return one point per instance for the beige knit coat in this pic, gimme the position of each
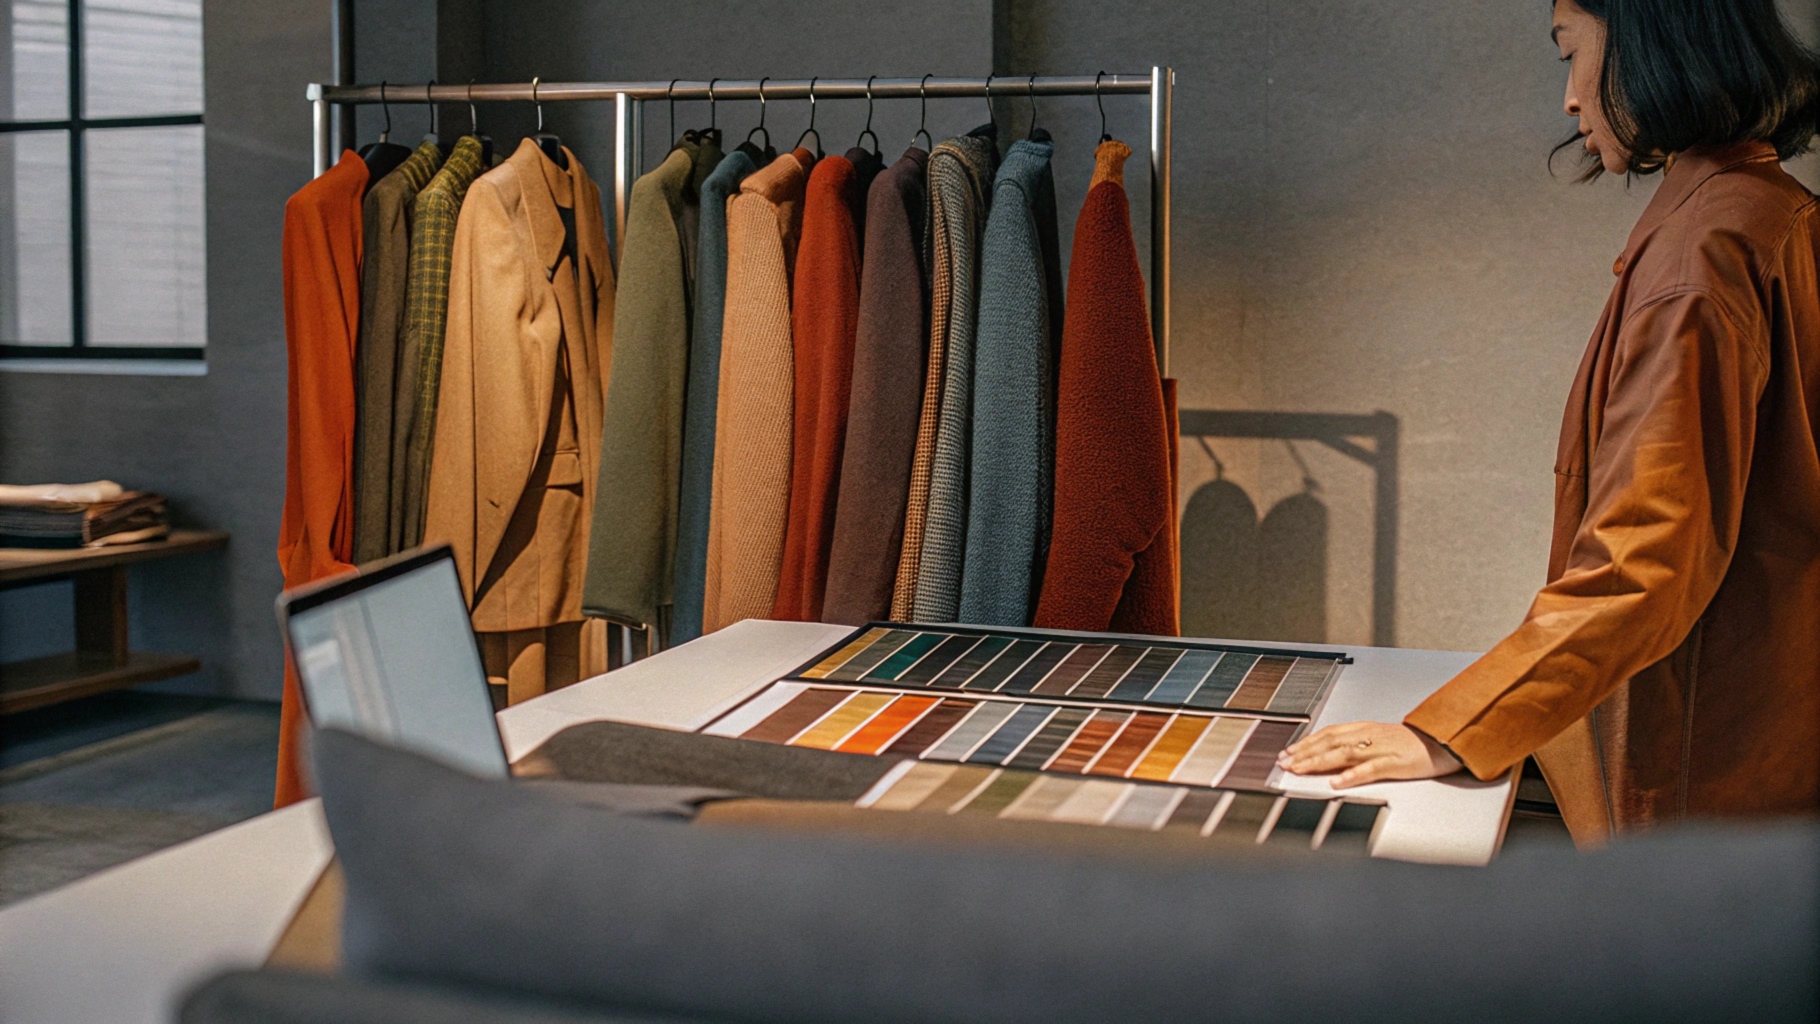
(752, 441)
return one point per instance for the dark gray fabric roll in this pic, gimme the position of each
(612, 752)
(284, 997)
(483, 883)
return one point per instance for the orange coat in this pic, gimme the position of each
(1671, 666)
(321, 320)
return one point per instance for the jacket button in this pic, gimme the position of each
(1617, 267)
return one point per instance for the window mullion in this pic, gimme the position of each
(78, 192)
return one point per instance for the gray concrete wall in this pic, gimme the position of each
(1364, 221)
(215, 443)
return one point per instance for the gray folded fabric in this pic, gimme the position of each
(612, 752)
(283, 997)
(489, 884)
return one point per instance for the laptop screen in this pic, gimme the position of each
(394, 659)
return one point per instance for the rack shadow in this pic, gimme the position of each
(1229, 555)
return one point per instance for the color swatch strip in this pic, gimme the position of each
(1207, 677)
(1186, 748)
(966, 789)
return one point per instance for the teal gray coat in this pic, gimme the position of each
(1013, 444)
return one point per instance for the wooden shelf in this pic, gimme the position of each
(59, 677)
(101, 660)
(20, 565)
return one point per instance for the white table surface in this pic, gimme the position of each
(125, 944)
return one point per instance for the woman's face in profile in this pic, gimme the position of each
(1581, 38)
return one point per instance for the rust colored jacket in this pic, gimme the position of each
(322, 248)
(1112, 554)
(824, 321)
(1671, 666)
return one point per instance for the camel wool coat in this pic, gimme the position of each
(518, 425)
(1670, 669)
(753, 429)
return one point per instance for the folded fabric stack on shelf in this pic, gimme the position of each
(87, 515)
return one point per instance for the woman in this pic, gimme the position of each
(1671, 666)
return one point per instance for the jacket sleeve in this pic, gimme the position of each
(1665, 488)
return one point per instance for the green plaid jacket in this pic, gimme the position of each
(426, 314)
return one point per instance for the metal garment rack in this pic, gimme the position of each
(629, 98)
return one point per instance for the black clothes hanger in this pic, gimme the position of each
(989, 130)
(811, 129)
(384, 156)
(1030, 91)
(711, 134)
(867, 130)
(922, 124)
(760, 157)
(546, 141)
(1100, 102)
(486, 141)
(432, 137)
(689, 134)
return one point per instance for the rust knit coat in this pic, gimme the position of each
(824, 316)
(1112, 557)
(322, 249)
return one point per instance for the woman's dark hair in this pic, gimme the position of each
(1680, 74)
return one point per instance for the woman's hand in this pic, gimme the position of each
(1368, 752)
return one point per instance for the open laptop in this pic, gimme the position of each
(389, 654)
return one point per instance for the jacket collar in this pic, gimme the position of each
(546, 186)
(1691, 170)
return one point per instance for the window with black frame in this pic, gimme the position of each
(101, 180)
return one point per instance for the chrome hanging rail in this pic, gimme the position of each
(628, 118)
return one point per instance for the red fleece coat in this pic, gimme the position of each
(825, 319)
(1112, 559)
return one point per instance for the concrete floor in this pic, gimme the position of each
(91, 784)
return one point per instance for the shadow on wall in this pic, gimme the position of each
(1251, 578)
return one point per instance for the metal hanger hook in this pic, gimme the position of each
(431, 104)
(1030, 90)
(535, 81)
(713, 106)
(1100, 101)
(867, 130)
(473, 115)
(670, 95)
(811, 129)
(991, 115)
(385, 133)
(922, 126)
(762, 107)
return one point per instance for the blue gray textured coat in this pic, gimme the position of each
(704, 392)
(1013, 442)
